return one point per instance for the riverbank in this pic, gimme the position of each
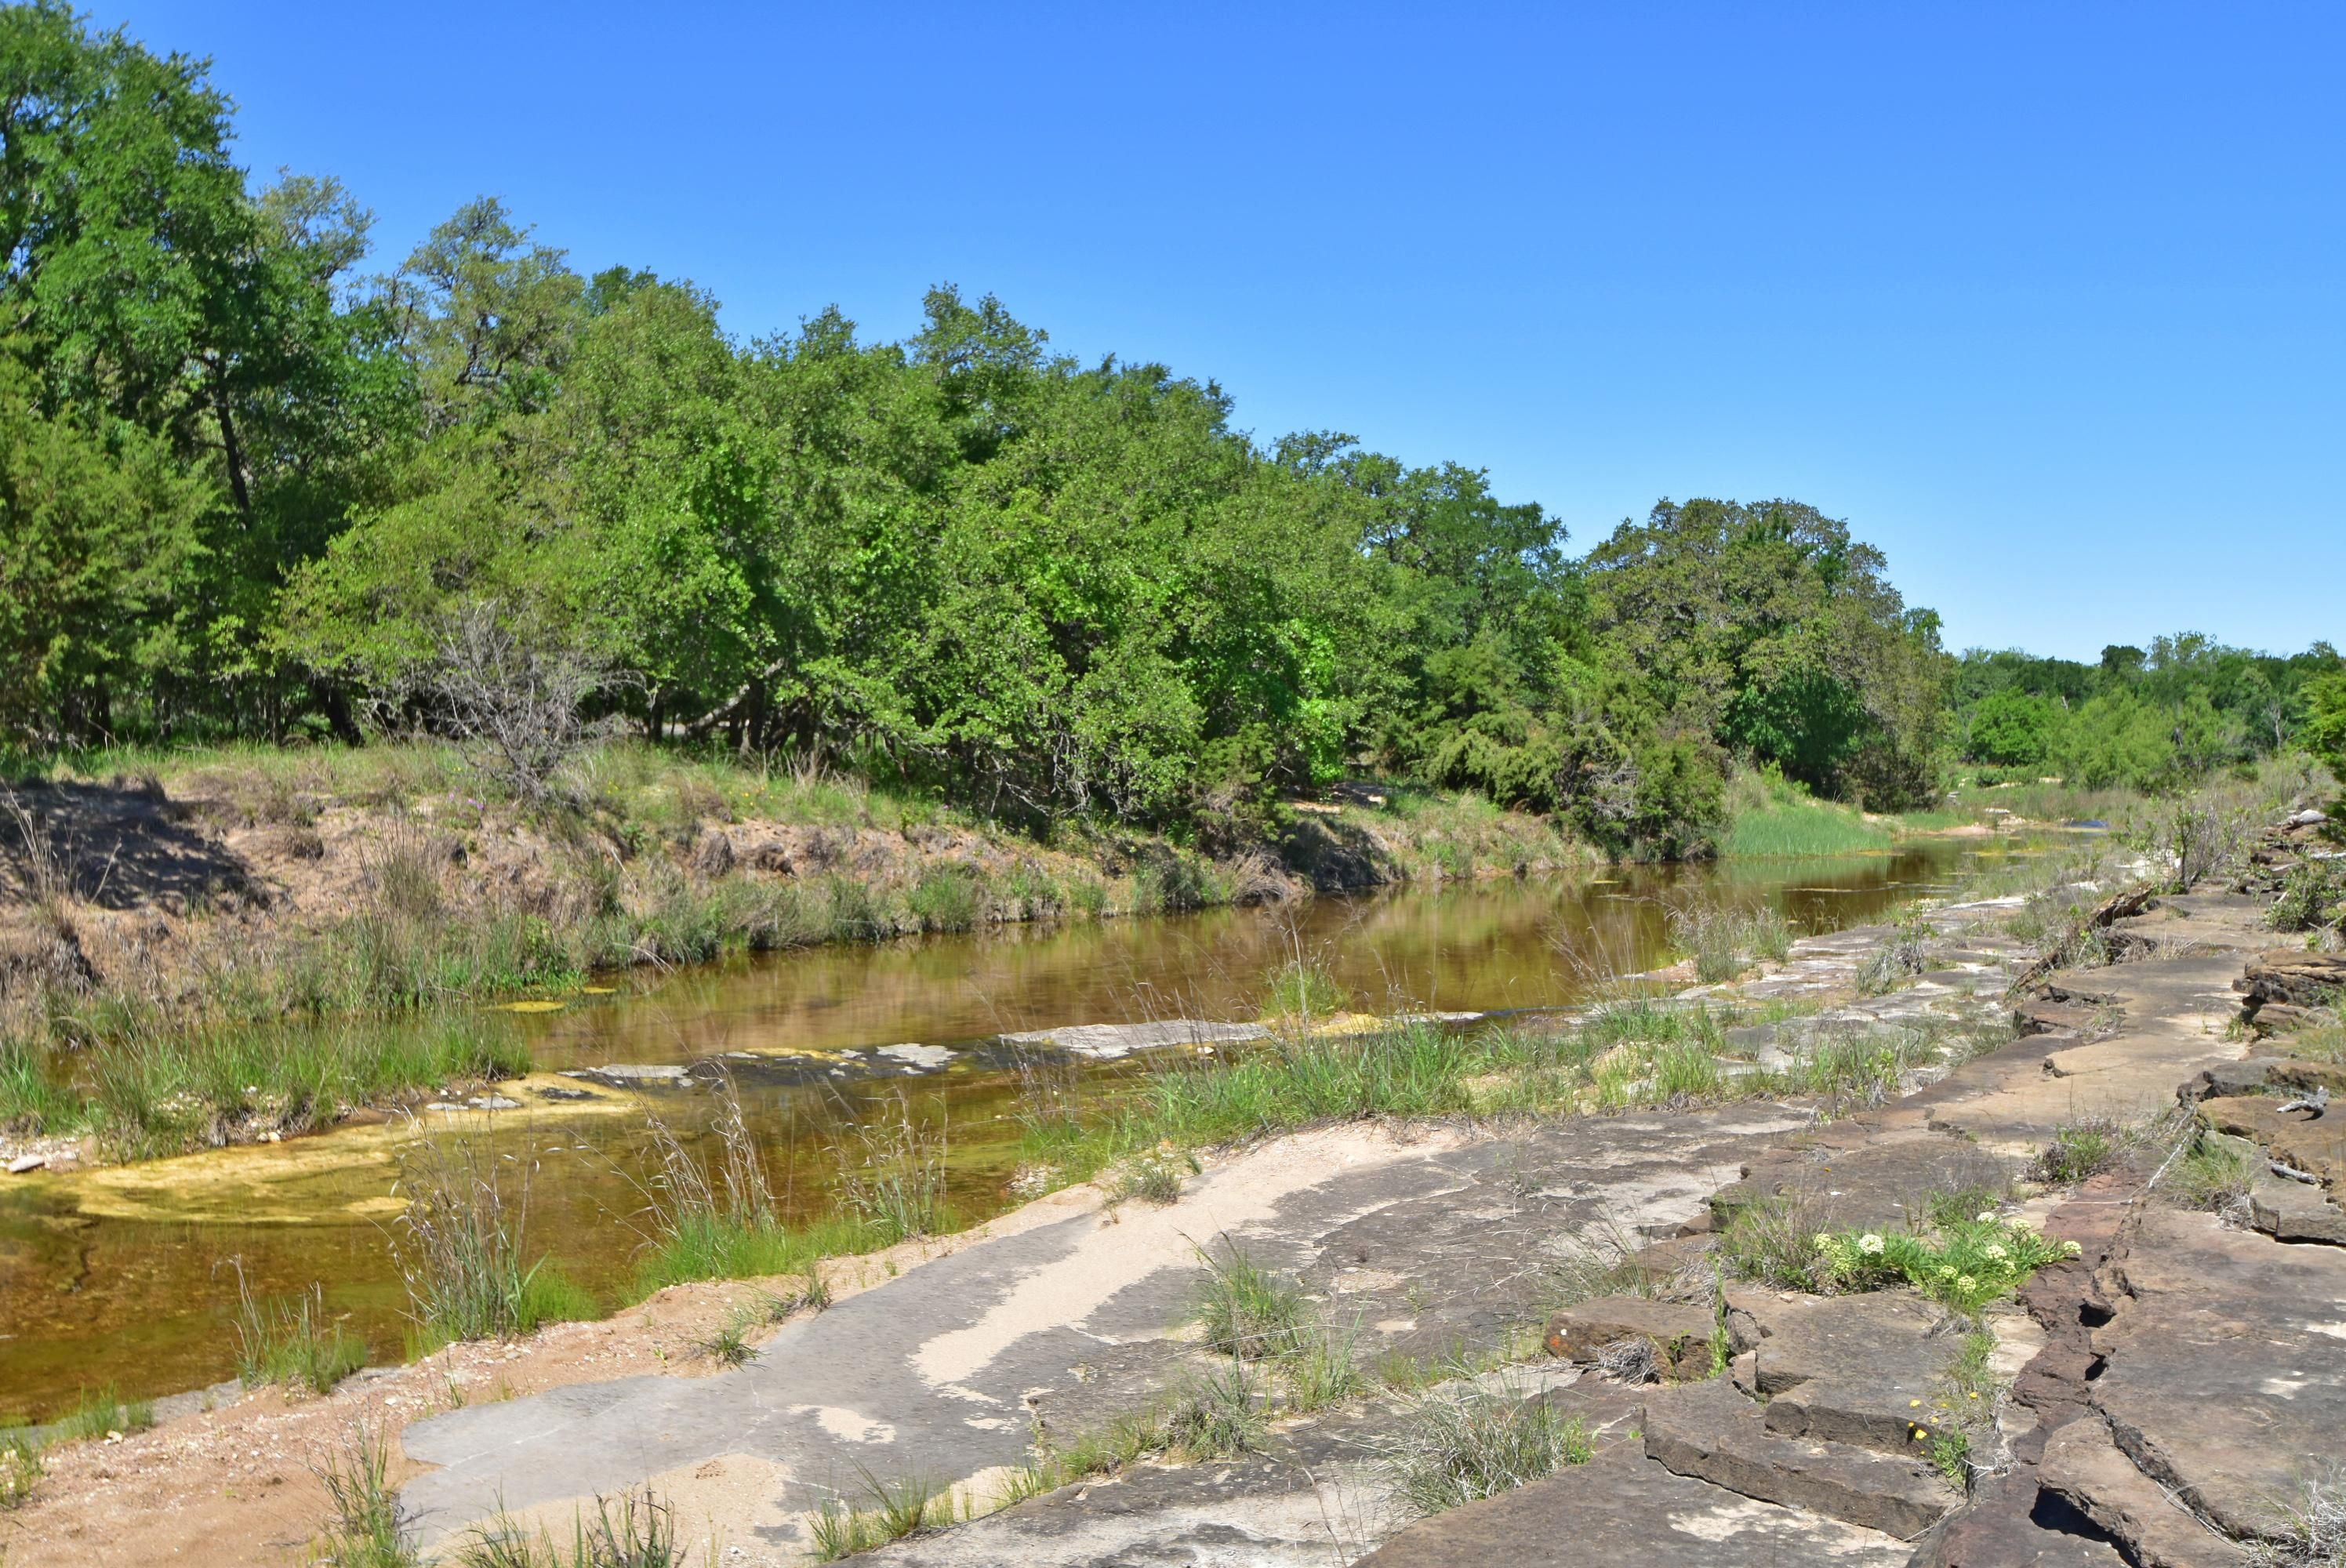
(188, 954)
(1958, 958)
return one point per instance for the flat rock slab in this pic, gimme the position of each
(1711, 1431)
(1857, 1369)
(2225, 1365)
(1872, 1186)
(2085, 1468)
(2315, 1144)
(1622, 1508)
(1107, 1041)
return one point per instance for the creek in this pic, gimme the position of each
(129, 1276)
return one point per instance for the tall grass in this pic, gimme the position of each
(368, 1527)
(462, 1245)
(893, 1176)
(1771, 817)
(156, 1089)
(1463, 1443)
(637, 1530)
(292, 1342)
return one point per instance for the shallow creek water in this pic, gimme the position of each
(129, 1276)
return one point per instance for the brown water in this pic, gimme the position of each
(125, 1277)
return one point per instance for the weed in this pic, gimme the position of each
(1217, 1415)
(2309, 1530)
(292, 1342)
(1772, 1240)
(1325, 1369)
(2312, 895)
(1300, 990)
(1476, 1440)
(1153, 1177)
(463, 1240)
(1901, 955)
(949, 898)
(728, 1344)
(892, 1177)
(1962, 1266)
(641, 1534)
(1247, 1311)
(368, 1529)
(1950, 1455)
(20, 1467)
(2079, 1149)
(897, 1508)
(105, 1413)
(2216, 1174)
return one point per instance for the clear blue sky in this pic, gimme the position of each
(2048, 300)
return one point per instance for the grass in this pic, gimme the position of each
(20, 1467)
(2308, 1530)
(640, 1533)
(895, 1508)
(367, 1527)
(1771, 817)
(892, 1177)
(2080, 1149)
(1724, 943)
(104, 1414)
(2216, 1173)
(1461, 1443)
(1217, 1414)
(146, 1088)
(1247, 1312)
(291, 1343)
(1300, 990)
(460, 1244)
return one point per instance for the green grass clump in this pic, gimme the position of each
(640, 1533)
(20, 1467)
(368, 1528)
(1217, 1415)
(460, 1248)
(2216, 1173)
(2079, 1149)
(1463, 1443)
(1302, 989)
(897, 1508)
(103, 1414)
(292, 1343)
(1247, 1311)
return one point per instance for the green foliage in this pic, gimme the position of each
(1963, 1265)
(103, 1414)
(292, 1342)
(20, 1467)
(1770, 816)
(1464, 1442)
(2079, 1150)
(1302, 989)
(2325, 721)
(1247, 1311)
(368, 1527)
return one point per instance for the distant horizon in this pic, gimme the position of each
(2044, 304)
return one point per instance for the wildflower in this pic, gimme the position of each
(1975, 1393)
(1946, 1271)
(1966, 1282)
(1824, 1241)
(1985, 1215)
(1870, 1244)
(1995, 1250)
(2070, 1249)
(1913, 1404)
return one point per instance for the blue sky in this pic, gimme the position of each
(2049, 301)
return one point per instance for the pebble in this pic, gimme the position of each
(23, 1163)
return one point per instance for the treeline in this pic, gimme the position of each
(254, 490)
(2143, 720)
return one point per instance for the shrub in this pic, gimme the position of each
(2079, 1150)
